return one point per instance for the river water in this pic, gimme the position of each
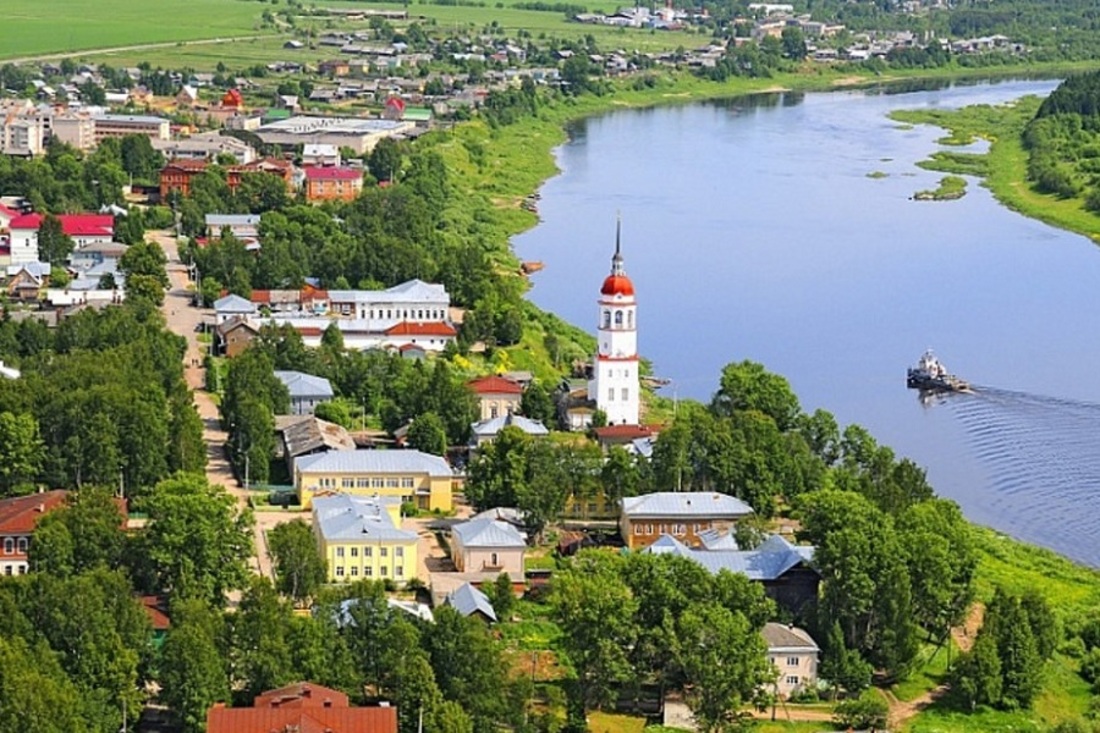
(752, 230)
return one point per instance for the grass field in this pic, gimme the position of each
(58, 26)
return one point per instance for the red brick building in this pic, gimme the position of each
(332, 183)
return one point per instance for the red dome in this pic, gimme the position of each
(617, 285)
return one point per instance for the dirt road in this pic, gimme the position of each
(137, 47)
(183, 319)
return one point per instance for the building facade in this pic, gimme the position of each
(496, 396)
(683, 515)
(360, 538)
(794, 654)
(615, 386)
(332, 183)
(155, 128)
(18, 518)
(488, 546)
(408, 475)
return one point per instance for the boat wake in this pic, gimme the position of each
(1043, 458)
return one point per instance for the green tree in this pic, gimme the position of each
(198, 541)
(193, 672)
(428, 434)
(299, 566)
(145, 259)
(595, 605)
(868, 711)
(942, 562)
(85, 534)
(21, 453)
(502, 596)
(841, 666)
(261, 657)
(384, 162)
(38, 696)
(747, 386)
(468, 666)
(54, 246)
(977, 677)
(724, 662)
(537, 404)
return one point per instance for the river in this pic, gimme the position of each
(752, 230)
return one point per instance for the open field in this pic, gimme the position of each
(59, 26)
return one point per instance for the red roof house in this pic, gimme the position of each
(303, 707)
(332, 183)
(494, 385)
(496, 396)
(431, 328)
(18, 518)
(78, 226)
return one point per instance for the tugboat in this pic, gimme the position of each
(930, 375)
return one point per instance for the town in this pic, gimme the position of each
(285, 447)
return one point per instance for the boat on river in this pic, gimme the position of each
(930, 375)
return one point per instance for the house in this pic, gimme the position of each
(27, 282)
(488, 545)
(332, 183)
(785, 570)
(409, 475)
(314, 154)
(306, 391)
(155, 128)
(18, 518)
(303, 707)
(623, 435)
(156, 610)
(188, 97)
(496, 396)
(468, 600)
(234, 335)
(83, 229)
(794, 655)
(304, 435)
(360, 537)
(241, 226)
(93, 255)
(486, 431)
(683, 515)
(230, 306)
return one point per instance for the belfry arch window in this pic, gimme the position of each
(618, 319)
(630, 319)
(607, 319)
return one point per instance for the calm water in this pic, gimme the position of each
(752, 231)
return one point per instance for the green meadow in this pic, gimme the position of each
(60, 26)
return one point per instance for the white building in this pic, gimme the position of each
(793, 654)
(615, 385)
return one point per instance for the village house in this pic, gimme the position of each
(468, 600)
(784, 569)
(320, 155)
(410, 475)
(360, 538)
(306, 391)
(304, 435)
(234, 335)
(18, 518)
(155, 128)
(231, 306)
(241, 226)
(83, 229)
(496, 396)
(332, 183)
(683, 515)
(794, 655)
(302, 706)
(488, 545)
(486, 431)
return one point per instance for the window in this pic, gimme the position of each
(354, 570)
(339, 552)
(399, 552)
(607, 319)
(368, 572)
(610, 394)
(7, 570)
(347, 483)
(9, 546)
(792, 680)
(362, 483)
(792, 661)
(385, 570)
(383, 551)
(407, 483)
(649, 529)
(637, 529)
(630, 319)
(492, 411)
(377, 483)
(355, 552)
(367, 551)
(23, 545)
(493, 561)
(339, 571)
(618, 319)
(399, 571)
(626, 394)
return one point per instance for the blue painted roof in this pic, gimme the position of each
(685, 504)
(774, 557)
(467, 600)
(357, 519)
(488, 533)
(375, 461)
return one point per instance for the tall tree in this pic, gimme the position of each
(193, 674)
(54, 246)
(299, 566)
(22, 453)
(748, 386)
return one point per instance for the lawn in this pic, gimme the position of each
(32, 28)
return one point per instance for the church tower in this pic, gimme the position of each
(614, 385)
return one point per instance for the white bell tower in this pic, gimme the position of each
(614, 385)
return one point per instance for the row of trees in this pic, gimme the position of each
(1063, 141)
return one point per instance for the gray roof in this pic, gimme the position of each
(488, 533)
(301, 385)
(782, 638)
(774, 557)
(714, 539)
(376, 461)
(685, 504)
(468, 600)
(305, 434)
(409, 291)
(138, 119)
(357, 518)
(233, 303)
(494, 425)
(232, 220)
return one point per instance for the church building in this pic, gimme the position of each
(614, 386)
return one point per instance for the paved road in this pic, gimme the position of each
(182, 319)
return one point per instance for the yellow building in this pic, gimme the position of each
(359, 538)
(408, 475)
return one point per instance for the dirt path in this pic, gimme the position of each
(183, 319)
(136, 47)
(903, 711)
